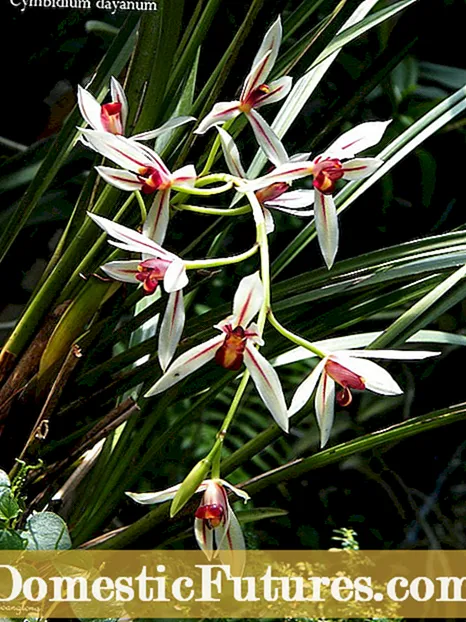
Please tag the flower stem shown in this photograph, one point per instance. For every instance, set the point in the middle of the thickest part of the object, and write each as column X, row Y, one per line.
column 211, row 157
column 215, row 211
column 142, row 206
column 206, row 192
column 300, row 341
column 264, row 257
column 218, row 262
column 261, row 241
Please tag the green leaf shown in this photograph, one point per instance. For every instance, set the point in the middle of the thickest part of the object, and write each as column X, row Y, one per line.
column 451, row 77
column 46, row 531
column 394, row 433
column 426, row 310
column 251, row 516
column 10, row 540
column 9, row 508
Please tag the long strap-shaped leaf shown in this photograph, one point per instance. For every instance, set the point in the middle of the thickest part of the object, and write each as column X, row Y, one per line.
column 451, row 291
column 395, row 433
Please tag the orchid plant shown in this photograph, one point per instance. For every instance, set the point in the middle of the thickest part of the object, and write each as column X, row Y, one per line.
column 157, row 315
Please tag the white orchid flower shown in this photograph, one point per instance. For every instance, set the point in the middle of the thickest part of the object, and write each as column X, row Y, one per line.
column 214, row 520
column 112, row 117
column 350, row 370
column 231, row 348
column 275, row 196
column 256, row 93
column 327, row 168
column 145, row 171
column 156, row 264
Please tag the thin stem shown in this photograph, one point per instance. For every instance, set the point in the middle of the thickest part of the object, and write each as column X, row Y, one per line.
column 229, row 416
column 261, row 241
column 264, row 256
column 207, row 192
column 300, row 341
column 215, row 178
column 220, row 261
column 215, row 211
column 211, row 157
column 142, row 206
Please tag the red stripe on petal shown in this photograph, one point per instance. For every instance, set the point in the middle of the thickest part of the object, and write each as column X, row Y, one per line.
column 257, row 366
column 196, row 356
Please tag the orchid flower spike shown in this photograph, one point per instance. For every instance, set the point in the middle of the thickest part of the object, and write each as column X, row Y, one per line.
column 350, row 370
column 145, row 171
column 255, row 93
column 275, row 196
column 231, row 348
column 214, row 520
column 156, row 264
column 112, row 117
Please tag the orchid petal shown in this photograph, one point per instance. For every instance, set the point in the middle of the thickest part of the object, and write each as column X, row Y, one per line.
column 269, row 221
column 412, row 355
column 278, row 90
column 265, row 59
column 253, row 334
column 231, row 153
column 231, row 545
column 186, row 364
column 267, row 384
column 295, row 199
column 358, row 139
column 118, row 95
column 237, row 491
column 375, row 377
column 221, row 112
column 325, row 408
column 156, row 223
column 122, row 270
column 184, row 177
column 126, row 153
column 166, row 127
column 283, row 173
column 326, row 220
column 300, row 157
column 89, row 108
column 248, row 299
column 293, row 212
column 204, row 537
column 175, row 277
column 268, row 141
column 171, row 328
column 360, row 167
column 133, row 240
column 124, row 180
column 149, row 498
column 306, row 389
column 118, row 149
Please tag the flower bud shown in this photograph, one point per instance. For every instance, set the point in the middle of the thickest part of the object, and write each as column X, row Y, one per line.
column 191, row 483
